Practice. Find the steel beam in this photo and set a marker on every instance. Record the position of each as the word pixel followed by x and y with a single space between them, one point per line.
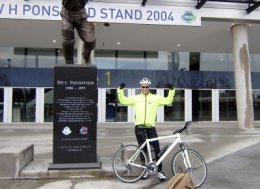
pixel 200 4
pixel 253 7
pixel 144 2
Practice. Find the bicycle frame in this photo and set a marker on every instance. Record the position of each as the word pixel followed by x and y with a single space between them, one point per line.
pixel 147 143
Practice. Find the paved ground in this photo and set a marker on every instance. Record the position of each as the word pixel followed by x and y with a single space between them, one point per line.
pixel 232 154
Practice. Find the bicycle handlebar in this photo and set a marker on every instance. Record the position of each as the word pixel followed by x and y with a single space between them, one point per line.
pixel 188 123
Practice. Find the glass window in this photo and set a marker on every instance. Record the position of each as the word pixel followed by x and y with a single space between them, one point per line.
pixel 131 54
pixel 36 57
pixel 4 62
pixel 194 60
pixel 135 60
pixel 227 105
pixel 256 104
pixel 46 62
pixel 17 61
pixel 254 62
pixel 216 62
pixel 175 111
pixel 201 105
pixel 23 105
pixel 161 62
pixel 48 105
pixel 31 61
pixel 130 63
pixel 178 60
pixel 1 104
pixel 131 60
pixel 115 112
pixel 42 57
pixel 105 63
pixel 5 56
pixel 142 60
pixel 105 59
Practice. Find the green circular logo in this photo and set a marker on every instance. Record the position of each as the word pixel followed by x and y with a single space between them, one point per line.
pixel 188 17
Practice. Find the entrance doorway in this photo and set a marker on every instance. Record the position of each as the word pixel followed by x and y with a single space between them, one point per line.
pixel 201 105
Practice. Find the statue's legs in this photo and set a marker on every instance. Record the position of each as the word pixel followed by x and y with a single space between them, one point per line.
pixel 88 47
pixel 78 20
pixel 87 35
pixel 68 39
pixel 68 51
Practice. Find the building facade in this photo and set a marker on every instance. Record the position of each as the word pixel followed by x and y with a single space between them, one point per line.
pixel 197 58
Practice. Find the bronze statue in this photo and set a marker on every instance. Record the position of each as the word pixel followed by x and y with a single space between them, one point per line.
pixel 74 15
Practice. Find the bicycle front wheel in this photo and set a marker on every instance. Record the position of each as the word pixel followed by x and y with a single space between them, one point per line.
pixel 198 170
pixel 122 168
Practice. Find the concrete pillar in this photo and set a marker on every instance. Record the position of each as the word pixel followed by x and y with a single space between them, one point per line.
pixel 103 102
pixel 130 110
pixel 100 106
pixel 160 111
pixel 188 105
pixel 245 112
pixel 8 104
pixel 215 105
pixel 39 117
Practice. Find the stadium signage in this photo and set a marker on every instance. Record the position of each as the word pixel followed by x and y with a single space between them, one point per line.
pixel 104 12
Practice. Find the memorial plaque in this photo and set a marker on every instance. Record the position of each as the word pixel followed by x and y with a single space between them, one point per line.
pixel 75 116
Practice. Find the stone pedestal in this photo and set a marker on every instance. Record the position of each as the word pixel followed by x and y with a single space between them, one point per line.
pixel 75 117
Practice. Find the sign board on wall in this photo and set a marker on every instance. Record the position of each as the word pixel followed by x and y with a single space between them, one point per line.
pixel 104 12
pixel 110 78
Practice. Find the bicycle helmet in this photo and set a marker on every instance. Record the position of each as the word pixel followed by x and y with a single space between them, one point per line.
pixel 145 81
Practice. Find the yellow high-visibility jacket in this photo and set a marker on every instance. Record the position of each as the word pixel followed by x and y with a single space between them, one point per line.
pixel 145 106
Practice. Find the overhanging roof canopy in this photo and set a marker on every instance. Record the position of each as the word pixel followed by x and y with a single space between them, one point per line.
pixel 252 4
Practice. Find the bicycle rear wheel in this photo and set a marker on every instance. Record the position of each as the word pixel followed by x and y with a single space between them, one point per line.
pixel 198 171
pixel 121 167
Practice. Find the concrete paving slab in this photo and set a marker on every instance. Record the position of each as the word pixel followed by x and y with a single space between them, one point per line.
pixel 238 170
pixel 215 141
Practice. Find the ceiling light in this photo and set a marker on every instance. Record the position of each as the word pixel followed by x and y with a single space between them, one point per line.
pixel 118 43
pixel 178 45
pixel 54 41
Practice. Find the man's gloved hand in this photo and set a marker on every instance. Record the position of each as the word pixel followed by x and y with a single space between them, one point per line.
pixel 122 85
pixel 170 86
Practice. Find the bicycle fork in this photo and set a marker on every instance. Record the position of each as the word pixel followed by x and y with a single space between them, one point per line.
pixel 185 156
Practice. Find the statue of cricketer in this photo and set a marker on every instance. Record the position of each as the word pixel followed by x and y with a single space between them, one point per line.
pixel 74 16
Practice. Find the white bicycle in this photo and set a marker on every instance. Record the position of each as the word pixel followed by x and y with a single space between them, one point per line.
pixel 131 162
